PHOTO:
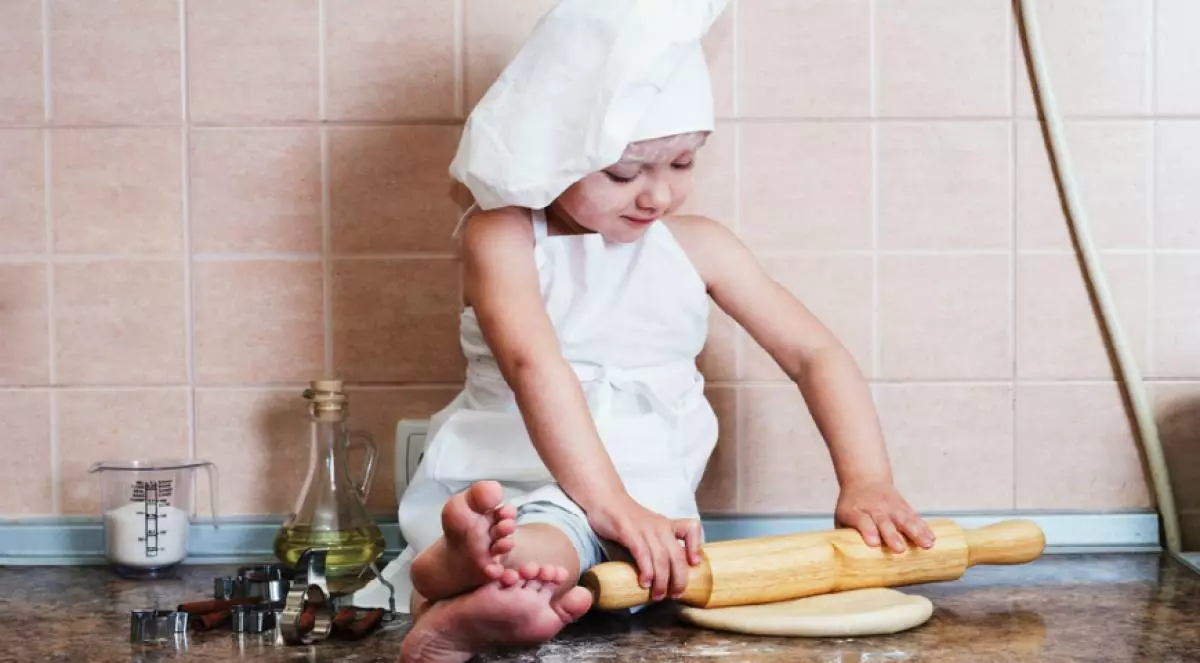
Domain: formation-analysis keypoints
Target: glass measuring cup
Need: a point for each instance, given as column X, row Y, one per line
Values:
column 147, row 506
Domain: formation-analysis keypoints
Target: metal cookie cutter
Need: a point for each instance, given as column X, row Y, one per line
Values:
column 252, row 618
column 308, row 611
column 157, row 625
column 227, row 587
column 265, row 582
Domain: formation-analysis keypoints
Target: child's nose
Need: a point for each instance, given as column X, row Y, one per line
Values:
column 656, row 195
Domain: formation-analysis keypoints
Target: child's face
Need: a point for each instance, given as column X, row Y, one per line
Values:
column 652, row 179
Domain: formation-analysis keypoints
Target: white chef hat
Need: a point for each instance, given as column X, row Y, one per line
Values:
column 594, row 76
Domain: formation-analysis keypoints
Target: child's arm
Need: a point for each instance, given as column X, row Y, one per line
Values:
column 501, row 284
column 826, row 373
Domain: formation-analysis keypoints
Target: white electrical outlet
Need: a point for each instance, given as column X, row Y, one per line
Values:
column 410, row 448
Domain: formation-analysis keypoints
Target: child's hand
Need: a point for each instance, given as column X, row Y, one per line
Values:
column 877, row 510
column 653, row 541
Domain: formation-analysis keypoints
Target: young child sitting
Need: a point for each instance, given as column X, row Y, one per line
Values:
column 583, row 430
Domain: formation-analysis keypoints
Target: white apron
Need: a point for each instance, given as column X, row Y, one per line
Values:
column 631, row 320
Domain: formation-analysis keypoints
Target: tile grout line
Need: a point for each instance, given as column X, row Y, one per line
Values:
column 872, row 61
column 958, row 382
column 737, row 58
column 1149, row 92
column 254, row 257
column 1013, row 285
column 1015, row 59
column 1151, row 185
column 322, row 73
column 739, row 428
column 738, row 335
column 189, row 303
column 1012, row 47
column 240, row 386
column 873, row 103
column 727, row 384
column 460, row 78
column 326, row 255
column 326, row 230
column 1075, row 119
column 71, row 258
column 47, row 96
column 25, row 258
column 48, row 215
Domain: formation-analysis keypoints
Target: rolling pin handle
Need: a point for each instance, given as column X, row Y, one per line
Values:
column 1007, row 542
column 614, row 585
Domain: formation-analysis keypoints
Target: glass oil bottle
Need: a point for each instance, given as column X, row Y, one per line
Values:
column 330, row 513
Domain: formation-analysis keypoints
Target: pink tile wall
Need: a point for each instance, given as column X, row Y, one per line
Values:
column 206, row 203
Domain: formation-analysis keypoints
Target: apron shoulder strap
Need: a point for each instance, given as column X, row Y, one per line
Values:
column 539, row 223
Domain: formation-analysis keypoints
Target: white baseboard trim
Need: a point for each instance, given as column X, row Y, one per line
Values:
column 80, row 541
column 1065, row 532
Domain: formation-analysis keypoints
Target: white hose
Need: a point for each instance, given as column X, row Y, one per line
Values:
column 1126, row 365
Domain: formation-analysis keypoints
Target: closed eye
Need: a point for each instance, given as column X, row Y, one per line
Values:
column 618, row 178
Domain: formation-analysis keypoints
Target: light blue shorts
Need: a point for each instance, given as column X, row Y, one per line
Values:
column 592, row 550
column 588, row 546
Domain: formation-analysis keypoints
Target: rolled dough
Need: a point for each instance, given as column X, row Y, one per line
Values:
column 856, row 612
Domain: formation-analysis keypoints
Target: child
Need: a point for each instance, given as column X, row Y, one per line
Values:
column 583, row 431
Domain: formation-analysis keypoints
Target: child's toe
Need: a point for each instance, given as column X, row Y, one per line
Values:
column 484, row 496
column 503, row 528
column 502, row 546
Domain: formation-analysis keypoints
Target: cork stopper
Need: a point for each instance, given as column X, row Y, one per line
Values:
column 326, row 385
column 326, row 400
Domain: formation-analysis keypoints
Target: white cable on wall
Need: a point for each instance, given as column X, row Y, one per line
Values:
column 1076, row 217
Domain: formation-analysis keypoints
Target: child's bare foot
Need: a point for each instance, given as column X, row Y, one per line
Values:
column 495, row 615
column 477, row 531
column 479, row 528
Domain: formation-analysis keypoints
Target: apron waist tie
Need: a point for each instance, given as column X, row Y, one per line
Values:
column 640, row 382
column 610, row 379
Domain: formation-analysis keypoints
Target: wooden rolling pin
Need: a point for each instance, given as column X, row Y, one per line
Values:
column 790, row 566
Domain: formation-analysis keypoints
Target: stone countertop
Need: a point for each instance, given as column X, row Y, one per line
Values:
column 1120, row 607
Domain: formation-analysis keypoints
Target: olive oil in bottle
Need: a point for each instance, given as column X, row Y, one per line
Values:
column 350, row 552
column 329, row 513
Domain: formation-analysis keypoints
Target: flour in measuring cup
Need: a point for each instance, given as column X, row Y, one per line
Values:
column 133, row 540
